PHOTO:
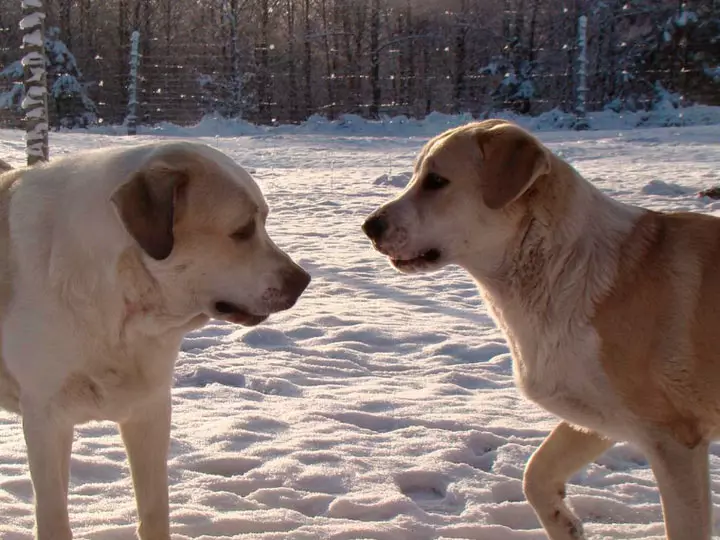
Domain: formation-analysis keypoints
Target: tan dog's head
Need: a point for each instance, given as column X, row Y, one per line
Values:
column 200, row 218
column 459, row 205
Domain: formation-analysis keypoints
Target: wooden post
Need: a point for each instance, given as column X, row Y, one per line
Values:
column 35, row 103
column 581, row 104
column 133, row 86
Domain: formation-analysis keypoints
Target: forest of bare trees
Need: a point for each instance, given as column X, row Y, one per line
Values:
column 278, row 61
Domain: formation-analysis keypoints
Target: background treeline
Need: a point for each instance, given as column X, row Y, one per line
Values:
column 284, row 60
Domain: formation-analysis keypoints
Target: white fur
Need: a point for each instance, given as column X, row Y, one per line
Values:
column 93, row 325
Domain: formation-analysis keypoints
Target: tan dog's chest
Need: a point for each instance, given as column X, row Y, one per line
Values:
column 559, row 369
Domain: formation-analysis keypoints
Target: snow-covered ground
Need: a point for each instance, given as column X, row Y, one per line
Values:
column 381, row 406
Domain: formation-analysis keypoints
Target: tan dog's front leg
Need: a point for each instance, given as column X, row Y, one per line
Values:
column 147, row 437
column 682, row 475
column 564, row 451
column 49, row 444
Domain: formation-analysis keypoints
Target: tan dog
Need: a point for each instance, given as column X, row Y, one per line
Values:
column 107, row 259
column 611, row 311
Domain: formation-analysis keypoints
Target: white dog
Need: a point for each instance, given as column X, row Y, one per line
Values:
column 107, row 259
column 611, row 311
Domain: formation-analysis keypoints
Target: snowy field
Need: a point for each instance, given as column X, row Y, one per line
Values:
column 382, row 406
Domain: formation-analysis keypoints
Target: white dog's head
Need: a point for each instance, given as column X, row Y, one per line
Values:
column 199, row 218
column 459, row 206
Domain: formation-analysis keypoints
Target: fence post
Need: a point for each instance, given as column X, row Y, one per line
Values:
column 35, row 103
column 133, row 85
column 581, row 122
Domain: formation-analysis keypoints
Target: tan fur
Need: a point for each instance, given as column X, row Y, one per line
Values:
column 511, row 162
column 659, row 324
column 4, row 166
column 611, row 311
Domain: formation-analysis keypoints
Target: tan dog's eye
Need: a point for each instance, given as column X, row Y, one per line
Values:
column 245, row 232
column 434, row 182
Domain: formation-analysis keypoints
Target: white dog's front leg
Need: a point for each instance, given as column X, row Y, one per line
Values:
column 147, row 437
column 49, row 444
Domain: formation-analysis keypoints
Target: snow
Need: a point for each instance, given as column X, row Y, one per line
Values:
column 382, row 406
column 30, row 59
column 685, row 17
column 713, row 73
column 34, row 96
column 33, row 38
column 402, row 126
column 10, row 99
column 398, row 180
column 32, row 20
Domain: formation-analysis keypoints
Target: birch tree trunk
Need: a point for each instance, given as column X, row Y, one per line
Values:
column 34, row 63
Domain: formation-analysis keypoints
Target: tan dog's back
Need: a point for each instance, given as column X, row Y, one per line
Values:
column 659, row 324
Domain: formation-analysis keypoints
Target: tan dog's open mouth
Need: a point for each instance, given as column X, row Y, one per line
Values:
column 423, row 261
column 232, row 313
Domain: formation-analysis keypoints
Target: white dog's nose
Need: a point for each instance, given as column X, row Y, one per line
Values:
column 295, row 282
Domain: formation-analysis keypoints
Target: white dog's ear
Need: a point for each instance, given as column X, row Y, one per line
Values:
column 512, row 160
column 146, row 204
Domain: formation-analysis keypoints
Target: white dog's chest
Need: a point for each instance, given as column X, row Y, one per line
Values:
column 111, row 390
column 87, row 380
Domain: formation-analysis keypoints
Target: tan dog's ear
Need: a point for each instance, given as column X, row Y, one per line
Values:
column 4, row 166
column 146, row 204
column 512, row 160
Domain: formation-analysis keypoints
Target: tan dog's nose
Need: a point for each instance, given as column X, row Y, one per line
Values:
column 375, row 226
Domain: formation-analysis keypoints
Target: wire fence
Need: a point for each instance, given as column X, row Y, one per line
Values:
column 198, row 80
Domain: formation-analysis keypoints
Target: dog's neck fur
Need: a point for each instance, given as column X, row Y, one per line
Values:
column 114, row 269
column 560, row 256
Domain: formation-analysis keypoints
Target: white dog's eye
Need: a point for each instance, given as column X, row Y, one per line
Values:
column 433, row 182
column 245, row 232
